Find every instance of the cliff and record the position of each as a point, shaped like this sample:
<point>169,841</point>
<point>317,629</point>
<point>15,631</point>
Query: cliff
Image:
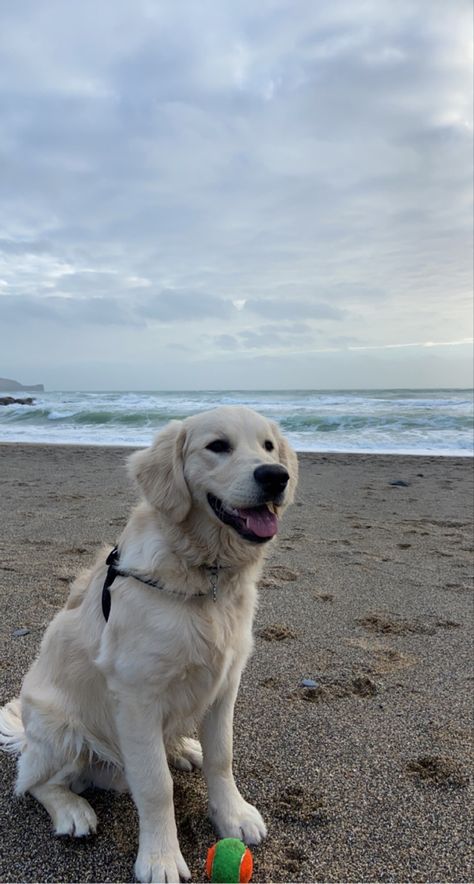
<point>7,386</point>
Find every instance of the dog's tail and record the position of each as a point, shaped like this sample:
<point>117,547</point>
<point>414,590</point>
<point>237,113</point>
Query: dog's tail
<point>12,732</point>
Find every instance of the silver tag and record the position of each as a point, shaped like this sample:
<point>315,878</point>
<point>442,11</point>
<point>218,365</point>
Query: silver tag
<point>214,580</point>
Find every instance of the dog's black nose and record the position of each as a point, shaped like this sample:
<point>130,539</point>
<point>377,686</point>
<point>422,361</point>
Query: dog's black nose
<point>272,478</point>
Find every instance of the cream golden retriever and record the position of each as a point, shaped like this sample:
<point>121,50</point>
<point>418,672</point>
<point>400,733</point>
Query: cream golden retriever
<point>153,639</point>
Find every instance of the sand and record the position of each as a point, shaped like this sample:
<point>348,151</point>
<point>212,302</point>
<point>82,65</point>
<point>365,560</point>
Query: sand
<point>364,777</point>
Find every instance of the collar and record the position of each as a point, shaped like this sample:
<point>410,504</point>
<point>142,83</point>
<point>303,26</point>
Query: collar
<point>114,571</point>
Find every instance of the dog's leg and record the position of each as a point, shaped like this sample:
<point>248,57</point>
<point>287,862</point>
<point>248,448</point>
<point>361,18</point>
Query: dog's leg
<point>232,816</point>
<point>186,754</point>
<point>148,775</point>
<point>71,815</point>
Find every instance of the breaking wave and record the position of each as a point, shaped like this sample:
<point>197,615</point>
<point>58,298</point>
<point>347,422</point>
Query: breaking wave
<point>392,421</point>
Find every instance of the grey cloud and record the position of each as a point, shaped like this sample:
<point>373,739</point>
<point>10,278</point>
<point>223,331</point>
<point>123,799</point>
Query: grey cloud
<point>343,341</point>
<point>23,247</point>
<point>291,335</point>
<point>293,307</point>
<point>130,307</point>
<point>170,305</point>
<point>316,165</point>
<point>293,329</point>
<point>347,293</point>
<point>87,282</point>
<point>256,340</point>
<point>102,312</point>
<point>225,342</point>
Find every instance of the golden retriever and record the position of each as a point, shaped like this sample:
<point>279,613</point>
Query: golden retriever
<point>153,639</point>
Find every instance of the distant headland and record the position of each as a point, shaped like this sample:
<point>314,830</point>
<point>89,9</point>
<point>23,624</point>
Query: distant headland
<point>7,386</point>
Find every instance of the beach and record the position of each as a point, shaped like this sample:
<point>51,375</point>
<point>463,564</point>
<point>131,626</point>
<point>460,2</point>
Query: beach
<point>367,592</point>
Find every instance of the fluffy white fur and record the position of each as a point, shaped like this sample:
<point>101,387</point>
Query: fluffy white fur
<point>112,703</point>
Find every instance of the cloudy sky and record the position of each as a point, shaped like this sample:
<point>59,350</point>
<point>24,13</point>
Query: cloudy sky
<point>236,194</point>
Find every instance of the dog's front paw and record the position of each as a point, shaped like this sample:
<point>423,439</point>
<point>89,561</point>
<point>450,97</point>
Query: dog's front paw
<point>161,865</point>
<point>74,816</point>
<point>239,819</point>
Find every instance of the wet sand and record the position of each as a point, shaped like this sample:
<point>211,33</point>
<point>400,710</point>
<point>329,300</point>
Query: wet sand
<point>368,593</point>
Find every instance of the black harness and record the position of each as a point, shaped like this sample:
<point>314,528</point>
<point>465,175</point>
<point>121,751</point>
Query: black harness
<point>114,571</point>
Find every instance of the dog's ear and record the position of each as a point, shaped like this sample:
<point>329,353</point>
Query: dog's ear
<point>288,459</point>
<point>159,471</point>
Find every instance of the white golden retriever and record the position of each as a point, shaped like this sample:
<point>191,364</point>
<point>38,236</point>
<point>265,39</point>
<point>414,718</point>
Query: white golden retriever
<point>127,670</point>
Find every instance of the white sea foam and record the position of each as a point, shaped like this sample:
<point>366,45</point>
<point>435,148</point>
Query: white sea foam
<point>393,421</point>
<point>60,415</point>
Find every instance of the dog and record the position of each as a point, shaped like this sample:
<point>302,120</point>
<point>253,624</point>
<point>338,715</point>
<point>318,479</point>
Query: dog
<point>151,643</point>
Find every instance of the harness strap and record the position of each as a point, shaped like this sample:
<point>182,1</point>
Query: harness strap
<point>114,571</point>
<point>109,579</point>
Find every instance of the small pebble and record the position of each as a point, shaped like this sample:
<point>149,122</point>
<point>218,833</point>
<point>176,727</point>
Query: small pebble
<point>21,631</point>
<point>309,683</point>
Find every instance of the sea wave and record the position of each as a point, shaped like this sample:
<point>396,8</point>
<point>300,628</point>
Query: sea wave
<point>397,421</point>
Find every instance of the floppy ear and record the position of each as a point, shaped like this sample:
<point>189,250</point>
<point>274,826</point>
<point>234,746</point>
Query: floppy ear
<point>288,459</point>
<point>160,474</point>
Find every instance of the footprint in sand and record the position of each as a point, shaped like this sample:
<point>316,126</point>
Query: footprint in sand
<point>383,660</point>
<point>292,859</point>
<point>271,682</point>
<point>277,575</point>
<point>297,804</point>
<point>276,632</point>
<point>437,770</point>
<point>388,624</point>
<point>327,689</point>
<point>297,533</point>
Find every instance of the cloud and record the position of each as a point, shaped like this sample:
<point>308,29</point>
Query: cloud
<point>171,305</point>
<point>23,247</point>
<point>63,312</point>
<point>225,342</point>
<point>175,166</point>
<point>288,309</point>
<point>417,344</point>
<point>165,307</point>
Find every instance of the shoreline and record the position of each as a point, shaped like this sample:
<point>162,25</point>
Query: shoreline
<point>367,591</point>
<point>300,452</point>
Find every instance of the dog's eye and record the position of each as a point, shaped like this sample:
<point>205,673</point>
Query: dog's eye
<point>268,445</point>
<point>220,446</point>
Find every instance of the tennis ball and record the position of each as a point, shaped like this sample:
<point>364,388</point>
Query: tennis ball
<point>229,861</point>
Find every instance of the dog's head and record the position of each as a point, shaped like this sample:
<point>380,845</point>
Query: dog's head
<point>230,464</point>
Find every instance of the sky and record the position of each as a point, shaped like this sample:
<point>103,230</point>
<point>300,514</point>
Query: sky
<point>217,194</point>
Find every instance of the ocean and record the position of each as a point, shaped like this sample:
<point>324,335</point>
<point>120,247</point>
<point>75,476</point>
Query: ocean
<point>379,421</point>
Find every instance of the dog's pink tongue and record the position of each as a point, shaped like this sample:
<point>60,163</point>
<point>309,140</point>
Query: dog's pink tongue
<point>260,521</point>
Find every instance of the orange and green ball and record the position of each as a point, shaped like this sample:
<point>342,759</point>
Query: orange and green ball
<point>229,861</point>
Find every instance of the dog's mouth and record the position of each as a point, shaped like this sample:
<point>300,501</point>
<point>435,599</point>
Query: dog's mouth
<point>256,524</point>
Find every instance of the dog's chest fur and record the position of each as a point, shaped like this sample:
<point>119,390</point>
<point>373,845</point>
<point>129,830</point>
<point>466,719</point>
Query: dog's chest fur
<point>174,653</point>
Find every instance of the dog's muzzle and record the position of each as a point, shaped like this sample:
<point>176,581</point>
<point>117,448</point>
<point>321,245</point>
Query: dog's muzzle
<point>256,524</point>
